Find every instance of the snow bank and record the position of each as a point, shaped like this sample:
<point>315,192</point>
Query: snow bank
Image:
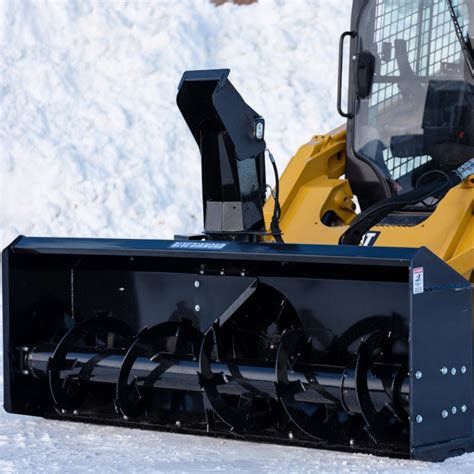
<point>92,141</point>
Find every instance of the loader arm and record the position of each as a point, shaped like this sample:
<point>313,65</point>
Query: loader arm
<point>313,186</point>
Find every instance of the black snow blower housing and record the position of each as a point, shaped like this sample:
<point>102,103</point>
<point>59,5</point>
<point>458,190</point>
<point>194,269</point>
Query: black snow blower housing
<point>354,348</point>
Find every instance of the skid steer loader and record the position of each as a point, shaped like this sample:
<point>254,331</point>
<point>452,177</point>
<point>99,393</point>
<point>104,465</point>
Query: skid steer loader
<point>296,318</point>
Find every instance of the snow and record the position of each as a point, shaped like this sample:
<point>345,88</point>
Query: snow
<point>92,140</point>
<point>92,144</point>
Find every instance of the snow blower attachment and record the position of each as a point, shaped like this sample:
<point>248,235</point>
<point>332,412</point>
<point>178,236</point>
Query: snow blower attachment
<point>319,346</point>
<point>365,348</point>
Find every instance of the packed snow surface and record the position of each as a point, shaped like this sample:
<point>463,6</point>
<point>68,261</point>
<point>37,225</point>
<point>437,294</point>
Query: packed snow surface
<point>92,144</point>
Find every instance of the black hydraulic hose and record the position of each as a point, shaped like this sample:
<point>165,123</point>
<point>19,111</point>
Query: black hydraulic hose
<point>375,213</point>
<point>275,223</point>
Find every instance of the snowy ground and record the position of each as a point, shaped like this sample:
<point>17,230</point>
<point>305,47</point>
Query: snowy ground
<point>92,144</point>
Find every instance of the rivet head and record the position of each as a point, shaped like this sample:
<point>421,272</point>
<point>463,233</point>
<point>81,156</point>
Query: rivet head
<point>444,370</point>
<point>125,417</point>
<point>418,374</point>
<point>419,418</point>
<point>75,412</point>
<point>444,413</point>
<point>453,371</point>
<point>352,442</point>
<point>197,284</point>
<point>463,369</point>
<point>290,435</point>
<point>197,308</point>
<point>178,423</point>
<point>464,408</point>
<point>454,410</point>
<point>63,411</point>
<point>222,272</point>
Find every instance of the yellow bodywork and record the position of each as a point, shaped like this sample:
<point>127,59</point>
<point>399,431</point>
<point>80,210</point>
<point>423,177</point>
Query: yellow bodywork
<point>313,183</point>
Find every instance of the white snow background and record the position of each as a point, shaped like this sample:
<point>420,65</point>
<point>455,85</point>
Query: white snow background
<point>92,144</point>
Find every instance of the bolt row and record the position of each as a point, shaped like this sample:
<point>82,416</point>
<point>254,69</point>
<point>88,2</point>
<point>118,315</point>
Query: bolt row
<point>444,413</point>
<point>443,370</point>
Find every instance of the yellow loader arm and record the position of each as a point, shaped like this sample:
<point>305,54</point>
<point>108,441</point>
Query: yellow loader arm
<point>313,185</point>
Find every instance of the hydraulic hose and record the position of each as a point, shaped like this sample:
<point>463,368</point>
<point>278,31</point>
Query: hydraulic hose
<point>375,213</point>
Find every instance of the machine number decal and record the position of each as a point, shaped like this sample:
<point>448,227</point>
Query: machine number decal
<point>418,281</point>
<point>198,245</point>
<point>369,238</point>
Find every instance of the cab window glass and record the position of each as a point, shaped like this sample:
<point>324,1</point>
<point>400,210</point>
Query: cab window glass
<point>420,105</point>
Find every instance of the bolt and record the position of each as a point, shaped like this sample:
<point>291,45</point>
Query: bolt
<point>444,413</point>
<point>444,370</point>
<point>197,308</point>
<point>25,372</point>
<point>463,369</point>
<point>351,442</point>
<point>419,418</point>
<point>25,349</point>
<point>272,346</point>
<point>290,434</point>
<point>178,423</point>
<point>197,284</point>
<point>75,412</point>
<point>201,272</point>
<point>453,371</point>
<point>121,288</point>
<point>242,273</point>
<point>63,411</point>
<point>222,272</point>
<point>464,408</point>
<point>454,410</point>
<point>125,417</point>
<point>418,374</point>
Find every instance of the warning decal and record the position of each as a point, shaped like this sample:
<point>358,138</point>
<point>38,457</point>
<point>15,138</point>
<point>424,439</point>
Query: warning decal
<point>418,281</point>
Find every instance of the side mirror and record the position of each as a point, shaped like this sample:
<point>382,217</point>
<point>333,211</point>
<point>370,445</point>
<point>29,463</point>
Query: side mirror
<point>365,70</point>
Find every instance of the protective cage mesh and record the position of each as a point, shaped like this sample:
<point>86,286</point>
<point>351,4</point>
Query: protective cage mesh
<point>432,46</point>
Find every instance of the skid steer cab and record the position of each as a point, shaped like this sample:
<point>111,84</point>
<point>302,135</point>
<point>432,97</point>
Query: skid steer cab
<point>291,318</point>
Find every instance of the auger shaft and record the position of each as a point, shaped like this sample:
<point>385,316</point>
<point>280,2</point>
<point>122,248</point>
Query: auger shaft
<point>182,374</point>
